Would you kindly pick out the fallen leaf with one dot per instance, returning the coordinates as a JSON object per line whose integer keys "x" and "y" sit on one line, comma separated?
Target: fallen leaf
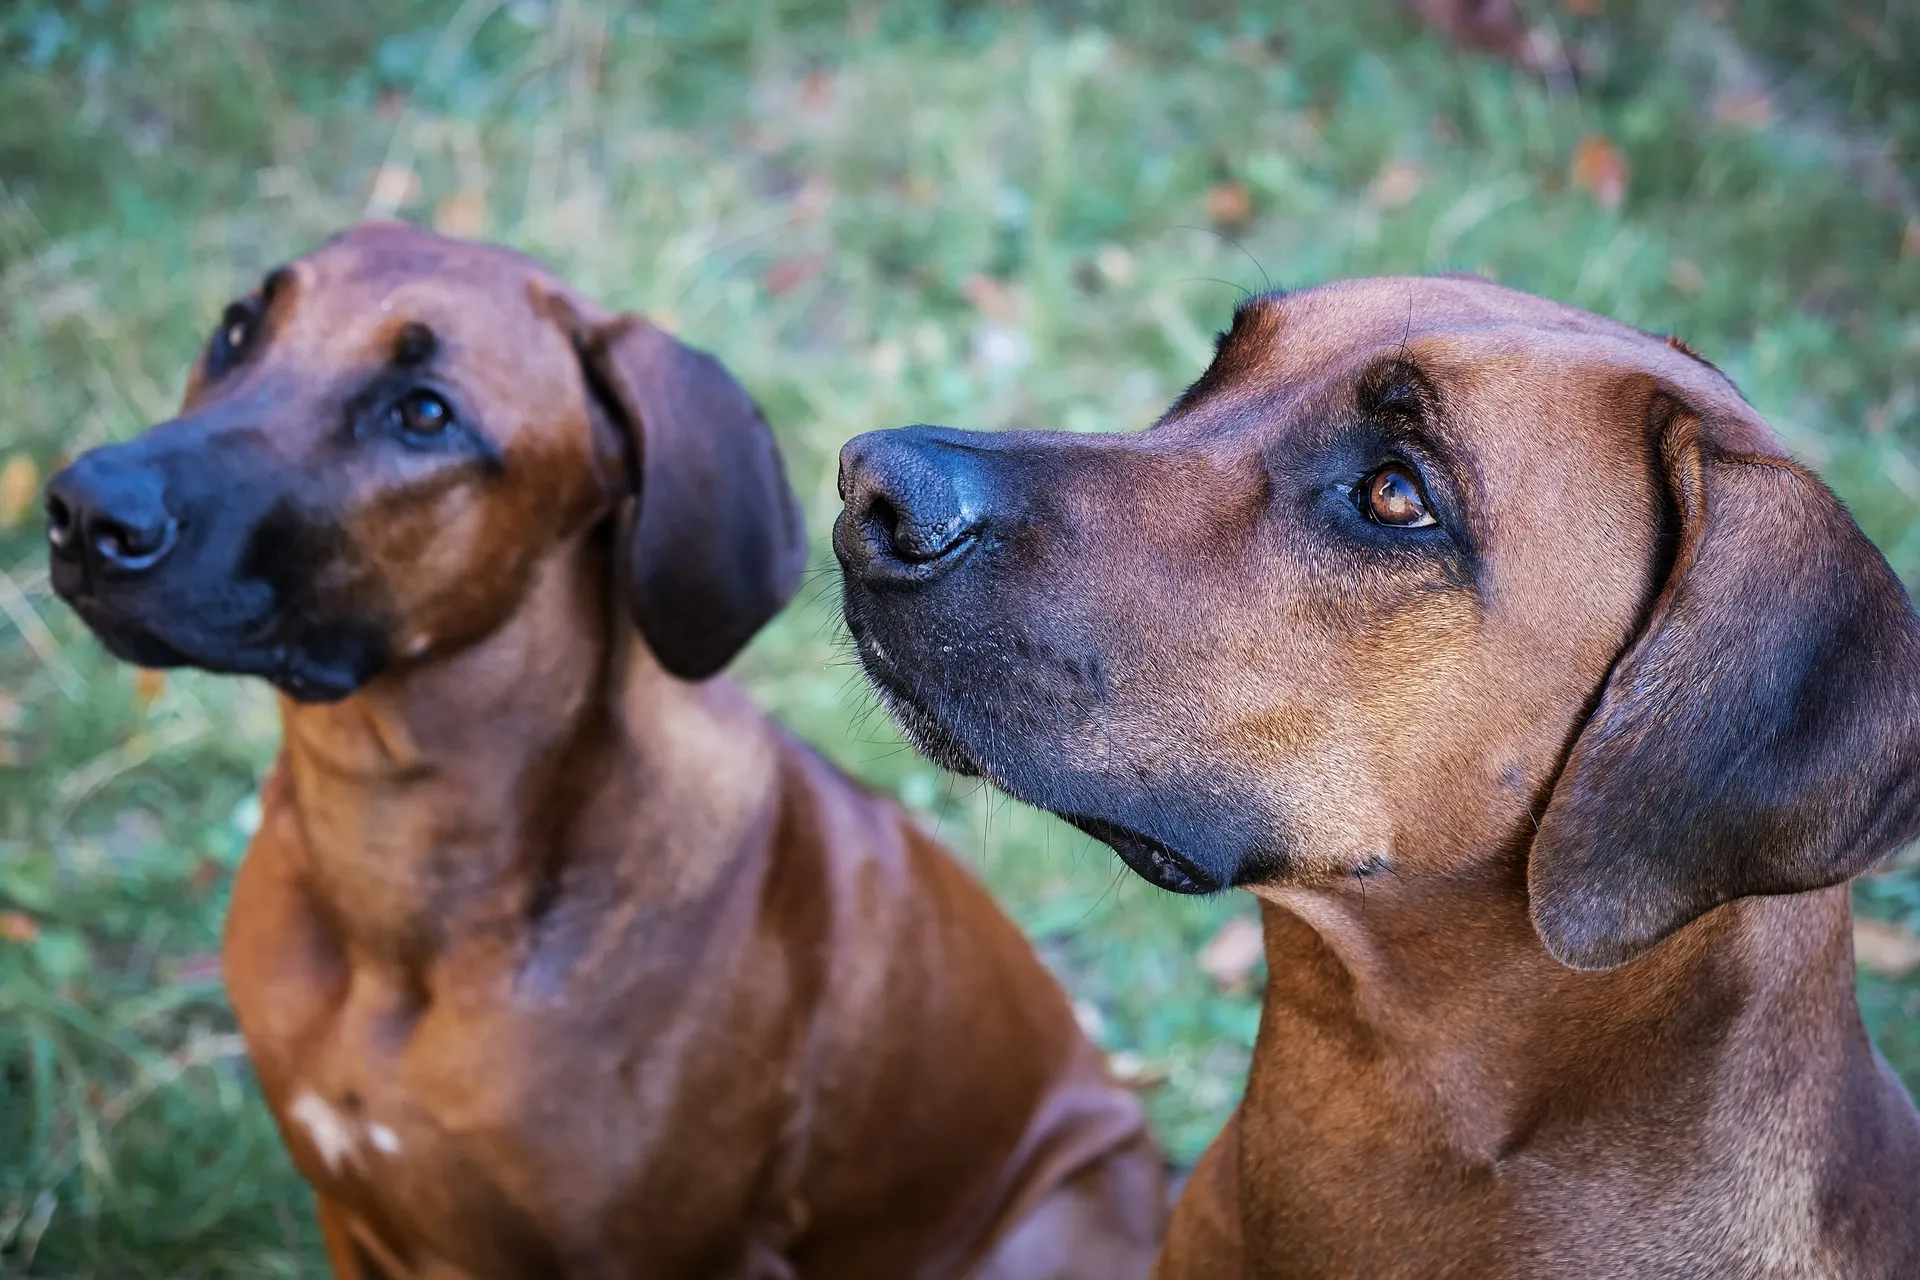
{"x": 1231, "y": 953}
{"x": 18, "y": 926}
{"x": 1686, "y": 277}
{"x": 816, "y": 91}
{"x": 1600, "y": 169}
{"x": 463, "y": 214}
{"x": 202, "y": 969}
{"x": 1584, "y": 8}
{"x": 1885, "y": 949}
{"x": 1229, "y": 203}
{"x": 995, "y": 298}
{"x": 811, "y": 200}
{"x": 19, "y": 486}
{"x": 1135, "y": 1072}
{"x": 1910, "y": 239}
{"x": 1486, "y": 26}
{"x": 1398, "y": 182}
{"x": 1743, "y": 108}
{"x": 1876, "y": 37}
{"x": 147, "y": 684}
{"x": 1116, "y": 264}
{"x": 920, "y": 191}
{"x": 394, "y": 187}
{"x": 789, "y": 274}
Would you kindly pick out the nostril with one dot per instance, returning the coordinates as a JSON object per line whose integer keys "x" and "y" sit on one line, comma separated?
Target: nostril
{"x": 919, "y": 543}
{"x": 60, "y": 523}
{"x": 131, "y": 547}
{"x": 912, "y": 511}
{"x": 914, "y": 541}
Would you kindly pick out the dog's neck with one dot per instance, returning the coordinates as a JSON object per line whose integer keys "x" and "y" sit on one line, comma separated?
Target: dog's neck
{"x": 1440, "y": 1007}
{"x": 441, "y": 801}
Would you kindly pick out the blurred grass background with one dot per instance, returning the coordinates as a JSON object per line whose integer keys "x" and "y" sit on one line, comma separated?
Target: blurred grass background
{"x": 995, "y": 215}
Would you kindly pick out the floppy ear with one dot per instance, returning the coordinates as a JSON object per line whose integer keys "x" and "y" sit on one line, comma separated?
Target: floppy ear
{"x": 718, "y": 542}
{"x": 1762, "y": 733}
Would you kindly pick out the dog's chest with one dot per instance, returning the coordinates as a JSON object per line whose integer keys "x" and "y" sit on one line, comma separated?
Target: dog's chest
{"x": 491, "y": 1133}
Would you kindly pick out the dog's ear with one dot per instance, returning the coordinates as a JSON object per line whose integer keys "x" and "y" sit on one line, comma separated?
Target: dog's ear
{"x": 1761, "y": 735}
{"x": 718, "y": 542}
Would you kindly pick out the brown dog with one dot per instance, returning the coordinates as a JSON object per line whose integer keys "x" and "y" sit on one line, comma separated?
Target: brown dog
{"x": 1547, "y": 707}
{"x": 555, "y": 958}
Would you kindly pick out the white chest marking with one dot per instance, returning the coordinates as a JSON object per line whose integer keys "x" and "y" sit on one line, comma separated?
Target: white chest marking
{"x": 331, "y": 1132}
{"x": 337, "y": 1137}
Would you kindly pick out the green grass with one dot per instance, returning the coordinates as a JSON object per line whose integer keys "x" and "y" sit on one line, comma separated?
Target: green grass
{"x": 816, "y": 194}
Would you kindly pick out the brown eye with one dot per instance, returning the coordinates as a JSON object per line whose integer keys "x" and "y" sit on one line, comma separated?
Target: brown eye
{"x": 422, "y": 413}
{"x": 1393, "y": 497}
{"x": 232, "y": 338}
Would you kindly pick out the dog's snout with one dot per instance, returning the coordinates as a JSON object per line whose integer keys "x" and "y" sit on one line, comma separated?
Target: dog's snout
{"x": 914, "y": 504}
{"x": 110, "y": 515}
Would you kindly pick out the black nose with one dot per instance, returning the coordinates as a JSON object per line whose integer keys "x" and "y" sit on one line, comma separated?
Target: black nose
{"x": 916, "y": 501}
{"x": 109, "y": 514}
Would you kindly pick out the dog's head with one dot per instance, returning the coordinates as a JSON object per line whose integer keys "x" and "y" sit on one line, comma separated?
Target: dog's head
{"x": 1422, "y": 578}
{"x": 382, "y": 441}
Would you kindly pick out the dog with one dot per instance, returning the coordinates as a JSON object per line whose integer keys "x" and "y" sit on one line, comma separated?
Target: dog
{"x": 1546, "y": 706}
{"x": 555, "y": 957}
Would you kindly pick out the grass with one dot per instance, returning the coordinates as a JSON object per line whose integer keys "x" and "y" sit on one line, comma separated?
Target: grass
{"x": 987, "y": 215}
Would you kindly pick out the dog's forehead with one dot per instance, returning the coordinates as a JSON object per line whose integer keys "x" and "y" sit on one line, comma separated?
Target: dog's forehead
{"x": 380, "y": 276}
{"x": 1485, "y": 346}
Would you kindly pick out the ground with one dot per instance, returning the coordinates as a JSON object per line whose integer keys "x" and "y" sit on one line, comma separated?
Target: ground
{"x": 983, "y": 214}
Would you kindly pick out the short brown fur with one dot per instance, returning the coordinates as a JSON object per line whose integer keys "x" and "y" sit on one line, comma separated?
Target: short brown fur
{"x": 553, "y": 963}
{"x": 1550, "y": 807}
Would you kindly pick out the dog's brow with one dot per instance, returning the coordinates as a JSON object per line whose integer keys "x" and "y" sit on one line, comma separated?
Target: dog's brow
{"x": 276, "y": 280}
{"x": 415, "y": 345}
{"x": 1395, "y": 386}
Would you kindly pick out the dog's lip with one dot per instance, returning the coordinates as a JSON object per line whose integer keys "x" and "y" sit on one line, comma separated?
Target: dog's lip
{"x": 279, "y": 664}
{"x": 921, "y": 726}
{"x": 1154, "y": 861}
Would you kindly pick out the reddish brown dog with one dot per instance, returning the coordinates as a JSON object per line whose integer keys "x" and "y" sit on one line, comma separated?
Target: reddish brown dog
{"x": 1547, "y": 707}
{"x": 555, "y": 957}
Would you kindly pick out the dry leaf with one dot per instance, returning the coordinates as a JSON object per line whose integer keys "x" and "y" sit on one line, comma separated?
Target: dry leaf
{"x": 1885, "y": 949}
{"x": 811, "y": 200}
{"x": 394, "y": 187}
{"x": 1910, "y": 239}
{"x": 816, "y": 91}
{"x": 1584, "y": 8}
{"x": 463, "y": 214}
{"x": 1116, "y": 264}
{"x": 1232, "y": 952}
{"x": 147, "y": 684}
{"x": 1686, "y": 277}
{"x": 995, "y": 298}
{"x": 202, "y": 969}
{"x": 1397, "y": 182}
{"x": 1134, "y": 1071}
{"x": 1743, "y": 108}
{"x": 18, "y": 926}
{"x": 19, "y": 486}
{"x": 1229, "y": 203}
{"x": 789, "y": 274}
{"x": 1600, "y": 169}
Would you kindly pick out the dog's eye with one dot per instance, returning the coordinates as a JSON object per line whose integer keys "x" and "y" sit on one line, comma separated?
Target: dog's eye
{"x": 422, "y": 413}
{"x": 1391, "y": 496}
{"x": 230, "y": 341}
